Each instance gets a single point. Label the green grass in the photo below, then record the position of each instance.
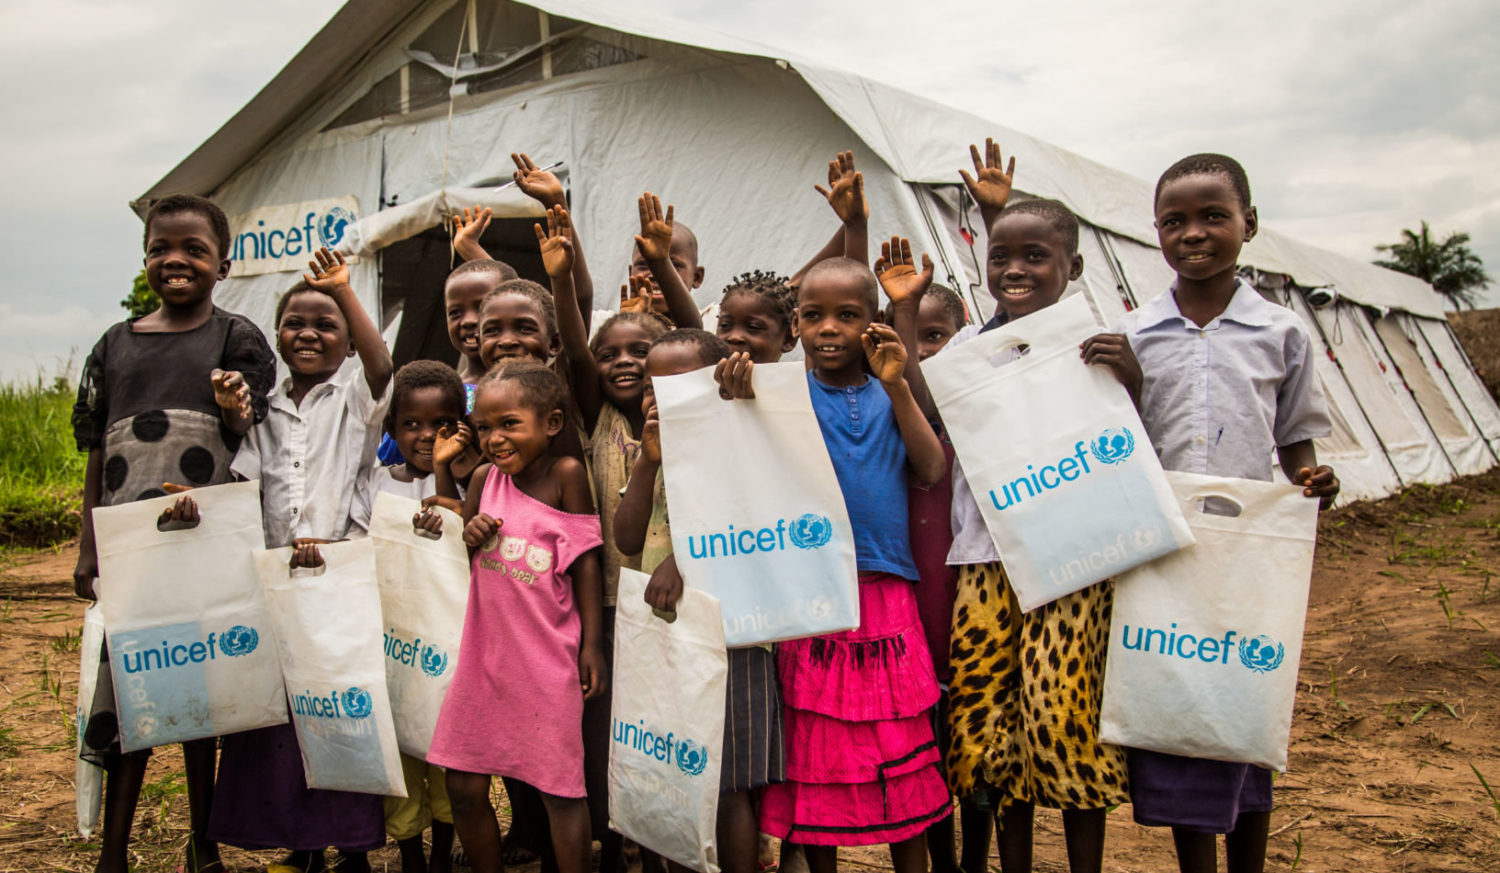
(41, 470)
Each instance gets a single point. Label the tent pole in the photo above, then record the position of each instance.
(937, 241)
(1479, 431)
(1415, 402)
(1352, 393)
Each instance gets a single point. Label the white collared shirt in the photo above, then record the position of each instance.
(309, 459)
(1220, 399)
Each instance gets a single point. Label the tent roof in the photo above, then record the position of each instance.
(915, 136)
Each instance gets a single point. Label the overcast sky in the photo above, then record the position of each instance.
(1354, 118)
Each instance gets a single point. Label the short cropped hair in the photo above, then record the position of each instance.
(541, 389)
(298, 287)
(1209, 164)
(210, 210)
(952, 304)
(646, 321)
(425, 374)
(711, 349)
(528, 289)
(691, 239)
(842, 266)
(502, 271)
(1054, 212)
(772, 290)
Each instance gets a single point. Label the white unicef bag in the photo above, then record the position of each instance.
(88, 778)
(758, 519)
(328, 633)
(667, 724)
(1204, 644)
(1055, 454)
(424, 592)
(190, 641)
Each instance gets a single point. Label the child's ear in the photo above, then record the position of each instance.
(224, 266)
(789, 341)
(697, 277)
(1075, 269)
(1252, 223)
(352, 351)
(554, 422)
(554, 344)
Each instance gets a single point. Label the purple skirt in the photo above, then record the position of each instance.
(261, 800)
(1194, 793)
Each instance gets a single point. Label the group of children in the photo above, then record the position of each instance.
(547, 433)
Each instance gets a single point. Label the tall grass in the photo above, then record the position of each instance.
(41, 471)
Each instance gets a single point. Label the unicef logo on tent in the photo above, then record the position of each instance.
(1261, 653)
(332, 225)
(811, 531)
(238, 640)
(357, 702)
(1113, 445)
(691, 757)
(434, 660)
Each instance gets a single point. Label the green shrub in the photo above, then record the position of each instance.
(41, 470)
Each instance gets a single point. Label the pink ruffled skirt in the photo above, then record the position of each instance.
(861, 759)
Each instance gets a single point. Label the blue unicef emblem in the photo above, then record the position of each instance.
(332, 225)
(691, 757)
(239, 640)
(1261, 654)
(1113, 445)
(434, 660)
(811, 531)
(357, 702)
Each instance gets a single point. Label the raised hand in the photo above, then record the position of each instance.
(655, 239)
(540, 185)
(556, 242)
(635, 296)
(230, 390)
(990, 185)
(480, 530)
(330, 273)
(1319, 483)
(886, 354)
(451, 442)
(468, 227)
(734, 377)
(898, 273)
(846, 190)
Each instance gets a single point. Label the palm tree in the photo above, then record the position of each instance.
(1450, 267)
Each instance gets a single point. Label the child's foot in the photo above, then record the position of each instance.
(298, 862)
(350, 862)
(459, 857)
(514, 851)
(202, 856)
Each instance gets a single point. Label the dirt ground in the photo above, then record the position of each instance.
(1398, 711)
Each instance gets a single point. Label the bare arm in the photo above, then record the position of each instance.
(655, 243)
(545, 188)
(904, 285)
(583, 374)
(832, 249)
(1299, 461)
(588, 583)
(87, 568)
(331, 276)
(990, 185)
(634, 514)
(887, 358)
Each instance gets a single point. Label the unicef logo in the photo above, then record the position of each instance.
(691, 757)
(357, 702)
(333, 224)
(239, 640)
(1113, 445)
(434, 660)
(811, 531)
(1261, 653)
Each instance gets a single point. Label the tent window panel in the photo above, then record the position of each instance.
(1362, 369)
(1445, 423)
(422, 87)
(571, 55)
(1342, 442)
(1477, 397)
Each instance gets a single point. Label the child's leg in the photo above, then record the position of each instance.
(1246, 844)
(975, 821)
(413, 855)
(825, 859)
(442, 847)
(528, 824)
(474, 819)
(1013, 832)
(122, 788)
(571, 838)
(199, 758)
(940, 845)
(738, 832)
(1197, 852)
(1083, 829)
(910, 855)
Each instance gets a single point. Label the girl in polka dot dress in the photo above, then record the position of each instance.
(164, 398)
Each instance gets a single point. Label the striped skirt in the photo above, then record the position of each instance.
(753, 741)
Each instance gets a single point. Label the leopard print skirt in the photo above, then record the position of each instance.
(1024, 700)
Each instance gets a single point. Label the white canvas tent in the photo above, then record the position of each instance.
(375, 118)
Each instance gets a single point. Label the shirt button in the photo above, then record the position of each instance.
(294, 510)
(1200, 438)
(296, 463)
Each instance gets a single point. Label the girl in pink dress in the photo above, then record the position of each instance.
(531, 649)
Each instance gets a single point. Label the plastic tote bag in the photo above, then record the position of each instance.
(1055, 454)
(1204, 643)
(667, 724)
(190, 641)
(88, 778)
(328, 633)
(758, 519)
(424, 592)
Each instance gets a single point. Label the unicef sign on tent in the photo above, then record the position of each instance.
(275, 239)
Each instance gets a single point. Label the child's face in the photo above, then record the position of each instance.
(511, 432)
(684, 263)
(748, 324)
(461, 298)
(1029, 264)
(673, 359)
(514, 326)
(934, 327)
(183, 261)
(621, 360)
(1202, 226)
(313, 337)
(420, 413)
(833, 311)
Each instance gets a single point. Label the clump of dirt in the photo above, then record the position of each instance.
(1479, 332)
